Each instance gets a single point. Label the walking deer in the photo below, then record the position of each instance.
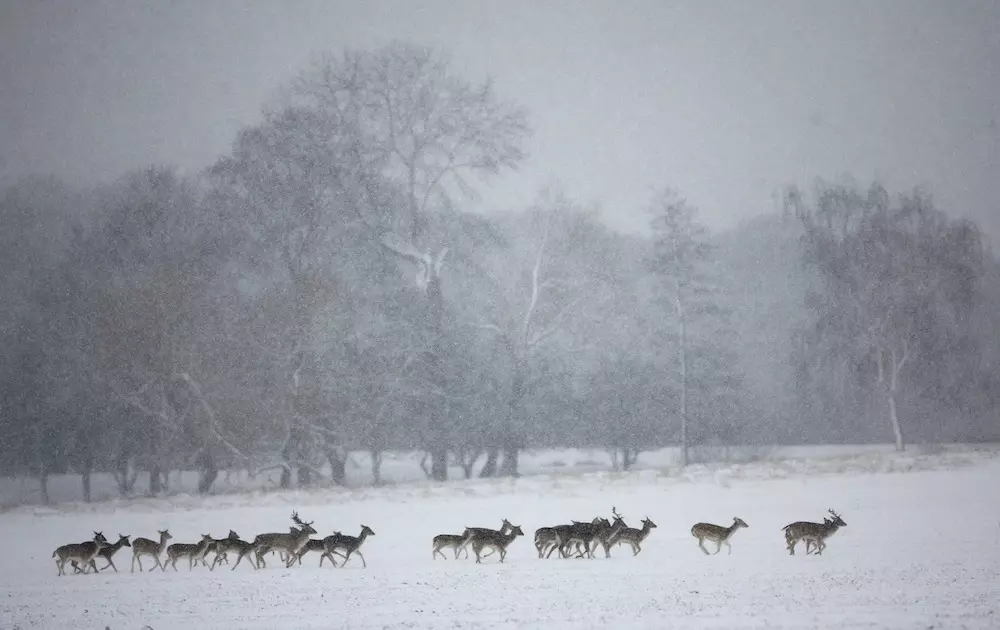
(716, 533)
(634, 537)
(350, 544)
(107, 553)
(815, 533)
(446, 541)
(146, 547)
(81, 553)
(494, 540)
(242, 549)
(193, 552)
(288, 543)
(505, 527)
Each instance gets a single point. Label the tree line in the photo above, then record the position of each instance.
(319, 290)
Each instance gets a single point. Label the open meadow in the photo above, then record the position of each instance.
(921, 549)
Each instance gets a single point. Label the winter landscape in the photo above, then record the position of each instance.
(921, 549)
(636, 280)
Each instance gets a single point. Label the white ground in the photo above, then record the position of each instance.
(921, 550)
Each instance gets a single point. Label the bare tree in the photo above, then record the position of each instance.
(896, 279)
(424, 128)
(681, 249)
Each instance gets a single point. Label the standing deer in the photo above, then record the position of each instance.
(193, 552)
(81, 553)
(815, 533)
(146, 547)
(494, 540)
(716, 533)
(606, 535)
(634, 537)
(349, 544)
(107, 553)
(288, 543)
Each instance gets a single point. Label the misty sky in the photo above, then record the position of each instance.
(725, 101)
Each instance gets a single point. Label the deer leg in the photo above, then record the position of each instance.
(718, 546)
(730, 549)
(701, 543)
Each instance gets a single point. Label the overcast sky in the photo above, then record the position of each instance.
(724, 101)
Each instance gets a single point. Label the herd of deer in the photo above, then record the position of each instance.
(578, 537)
(291, 546)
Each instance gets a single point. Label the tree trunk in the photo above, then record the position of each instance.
(490, 467)
(208, 471)
(511, 451)
(43, 483)
(377, 467)
(435, 405)
(682, 358)
(512, 437)
(285, 482)
(155, 479)
(338, 466)
(305, 476)
(85, 479)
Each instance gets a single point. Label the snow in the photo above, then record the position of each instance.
(921, 550)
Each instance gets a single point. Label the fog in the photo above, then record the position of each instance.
(263, 239)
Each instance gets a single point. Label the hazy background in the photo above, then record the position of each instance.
(726, 101)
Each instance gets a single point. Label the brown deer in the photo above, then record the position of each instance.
(338, 543)
(288, 543)
(107, 553)
(446, 541)
(146, 547)
(81, 553)
(815, 533)
(214, 547)
(716, 533)
(313, 544)
(634, 537)
(494, 540)
(193, 552)
(242, 548)
(504, 528)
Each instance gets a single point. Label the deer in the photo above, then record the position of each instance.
(242, 548)
(97, 536)
(583, 535)
(107, 553)
(288, 543)
(494, 540)
(193, 552)
(716, 533)
(545, 538)
(350, 544)
(146, 547)
(634, 537)
(81, 553)
(220, 556)
(816, 533)
(454, 541)
(313, 544)
(506, 526)
(606, 535)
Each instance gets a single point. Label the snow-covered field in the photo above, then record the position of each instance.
(921, 550)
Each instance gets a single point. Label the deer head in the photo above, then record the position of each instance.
(303, 526)
(836, 519)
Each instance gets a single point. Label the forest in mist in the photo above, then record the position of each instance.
(320, 290)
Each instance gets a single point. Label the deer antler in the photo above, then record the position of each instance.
(834, 514)
(295, 517)
(614, 511)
